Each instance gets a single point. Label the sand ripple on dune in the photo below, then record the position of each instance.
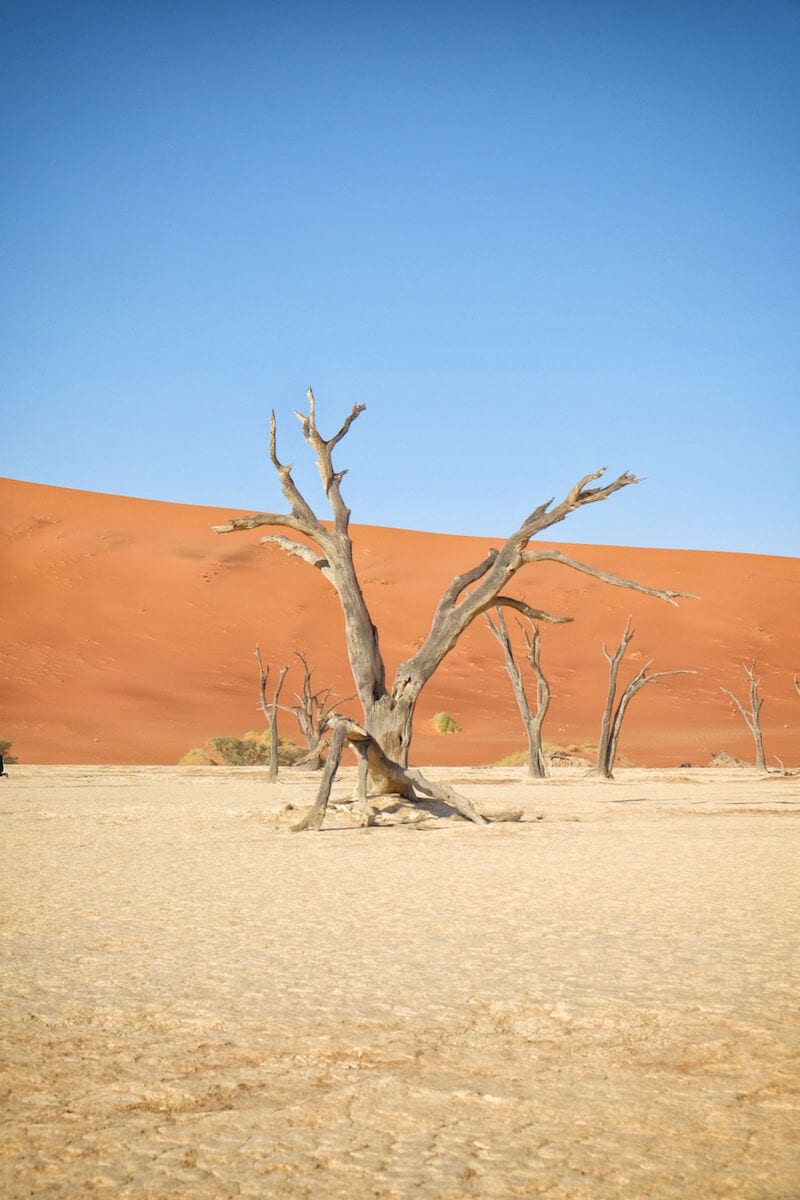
(597, 1003)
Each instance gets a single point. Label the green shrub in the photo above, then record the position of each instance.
(252, 750)
(444, 723)
(4, 749)
(196, 758)
(236, 752)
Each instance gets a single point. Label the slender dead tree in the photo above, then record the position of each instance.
(388, 708)
(797, 685)
(613, 717)
(270, 711)
(314, 713)
(537, 768)
(752, 716)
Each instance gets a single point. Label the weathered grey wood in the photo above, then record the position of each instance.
(613, 717)
(316, 815)
(602, 767)
(389, 710)
(270, 711)
(314, 712)
(752, 716)
(532, 721)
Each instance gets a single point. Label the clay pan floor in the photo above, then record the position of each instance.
(598, 1001)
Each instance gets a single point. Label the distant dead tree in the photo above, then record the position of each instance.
(752, 715)
(537, 768)
(385, 735)
(614, 716)
(314, 713)
(797, 685)
(270, 711)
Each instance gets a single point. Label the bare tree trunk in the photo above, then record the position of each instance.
(613, 718)
(388, 711)
(603, 766)
(537, 768)
(270, 712)
(752, 716)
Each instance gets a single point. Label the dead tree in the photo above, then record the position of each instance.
(537, 768)
(797, 685)
(270, 711)
(327, 547)
(752, 716)
(614, 716)
(314, 713)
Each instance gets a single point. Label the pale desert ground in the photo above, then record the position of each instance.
(598, 1001)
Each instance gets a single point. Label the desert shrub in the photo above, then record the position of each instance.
(236, 752)
(196, 758)
(252, 750)
(444, 723)
(4, 749)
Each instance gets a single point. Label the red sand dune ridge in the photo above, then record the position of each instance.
(128, 631)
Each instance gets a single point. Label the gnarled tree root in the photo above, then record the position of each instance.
(407, 781)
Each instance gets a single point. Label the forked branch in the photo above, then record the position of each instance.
(323, 448)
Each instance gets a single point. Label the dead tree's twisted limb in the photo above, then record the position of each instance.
(407, 780)
(752, 717)
(389, 711)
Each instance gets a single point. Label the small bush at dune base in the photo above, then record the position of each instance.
(196, 758)
(4, 749)
(444, 723)
(252, 750)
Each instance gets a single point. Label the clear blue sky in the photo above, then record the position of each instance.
(532, 237)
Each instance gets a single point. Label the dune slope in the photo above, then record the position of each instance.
(128, 631)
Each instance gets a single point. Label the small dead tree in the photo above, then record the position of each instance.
(797, 685)
(613, 716)
(537, 768)
(388, 708)
(752, 716)
(270, 711)
(314, 713)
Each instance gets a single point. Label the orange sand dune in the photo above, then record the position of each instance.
(128, 631)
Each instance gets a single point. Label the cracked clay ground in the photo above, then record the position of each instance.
(600, 1001)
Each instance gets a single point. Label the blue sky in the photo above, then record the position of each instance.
(533, 238)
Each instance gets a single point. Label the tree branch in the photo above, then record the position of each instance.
(556, 556)
(462, 581)
(298, 550)
(323, 450)
(533, 614)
